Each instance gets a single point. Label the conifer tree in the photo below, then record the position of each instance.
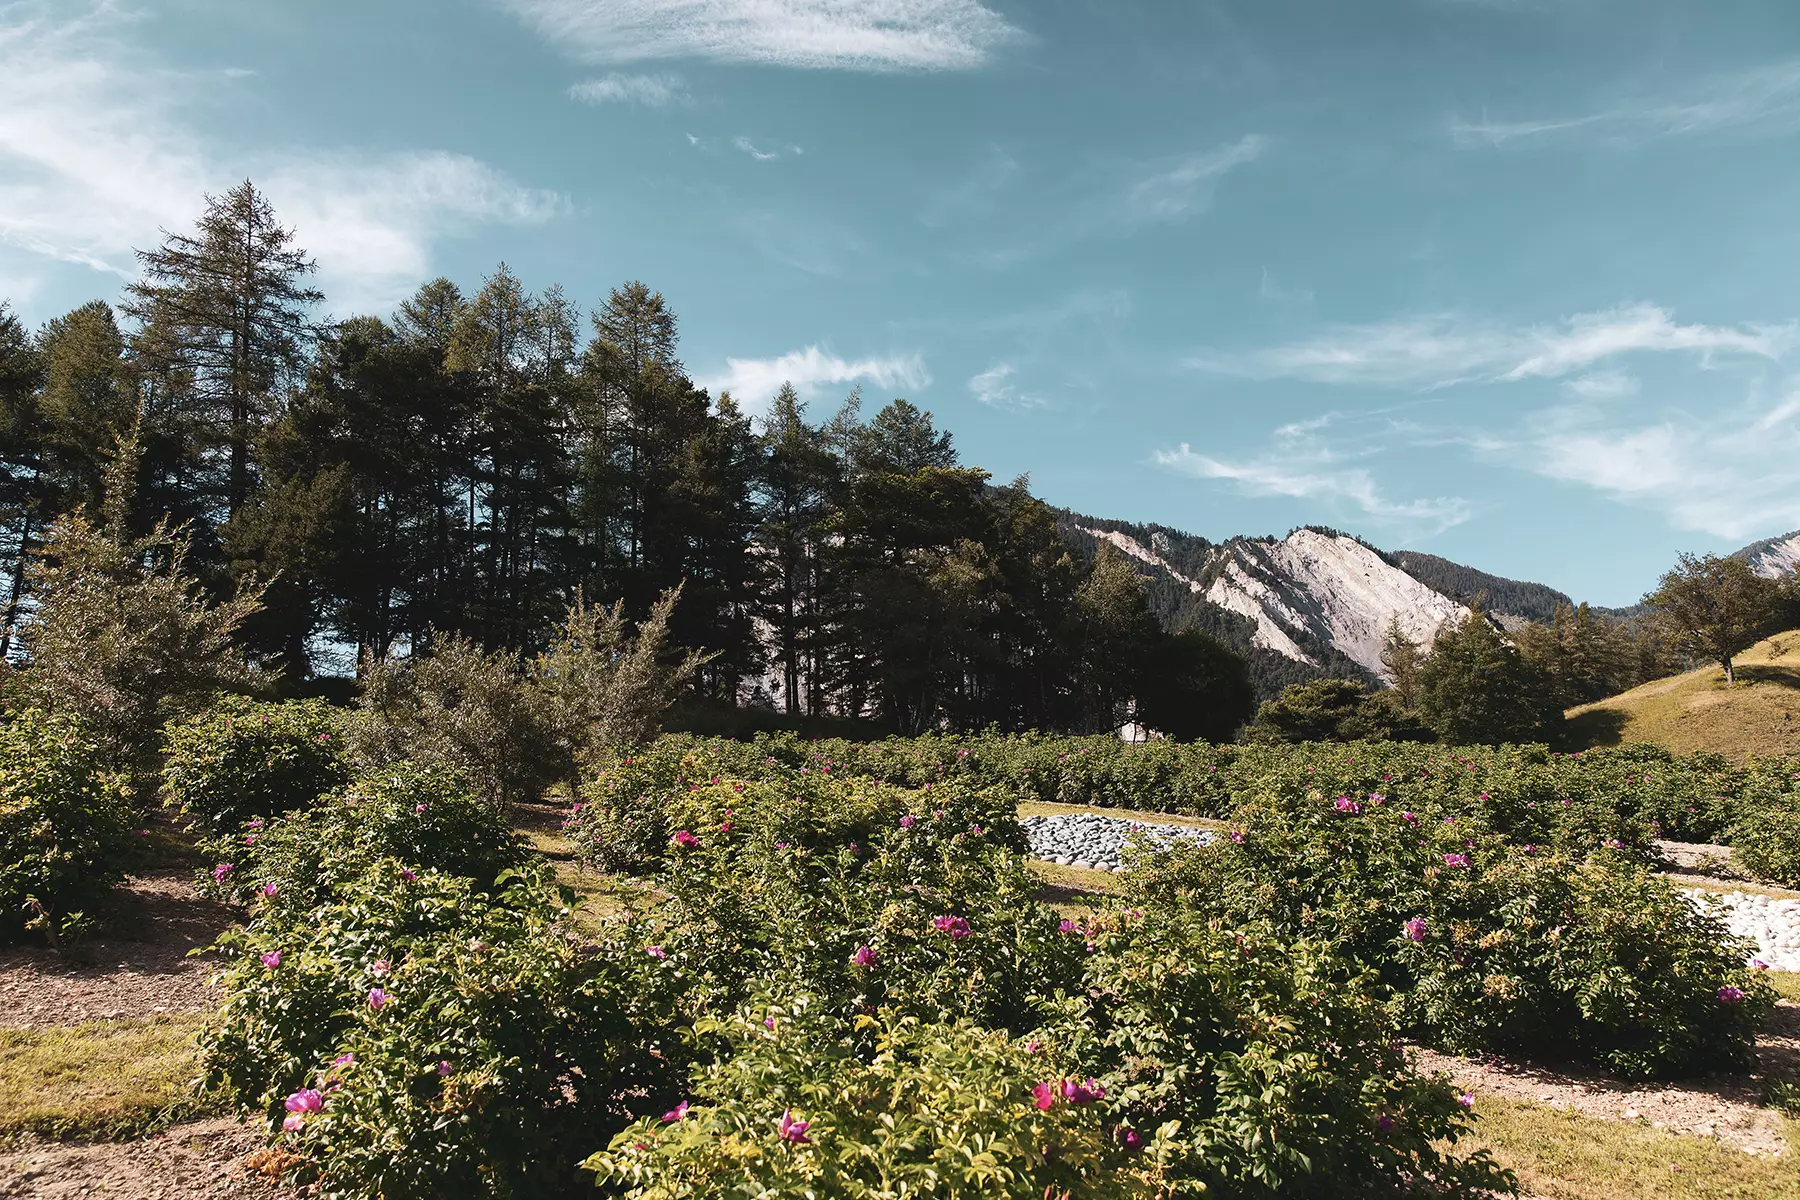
(232, 302)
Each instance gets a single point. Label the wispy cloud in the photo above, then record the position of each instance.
(749, 147)
(867, 35)
(1268, 289)
(1300, 463)
(995, 388)
(754, 381)
(1732, 471)
(1602, 385)
(96, 156)
(1766, 98)
(1435, 351)
(1174, 191)
(648, 91)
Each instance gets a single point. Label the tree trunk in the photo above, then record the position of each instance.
(1730, 675)
(18, 584)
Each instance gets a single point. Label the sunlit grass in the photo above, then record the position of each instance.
(100, 1080)
(1563, 1155)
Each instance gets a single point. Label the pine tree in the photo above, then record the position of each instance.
(233, 302)
(796, 489)
(1477, 688)
(1401, 659)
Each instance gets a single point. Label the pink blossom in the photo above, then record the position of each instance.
(1411, 818)
(769, 1023)
(864, 957)
(685, 840)
(1730, 995)
(269, 890)
(908, 821)
(1044, 1095)
(306, 1100)
(1345, 804)
(678, 1113)
(1068, 926)
(406, 874)
(1415, 929)
(1467, 1099)
(956, 927)
(271, 959)
(1237, 837)
(343, 1060)
(377, 998)
(1759, 964)
(418, 808)
(792, 1130)
(293, 1123)
(1130, 1139)
(1384, 1123)
(1033, 1046)
(381, 967)
(656, 952)
(1456, 860)
(1082, 1093)
(444, 1068)
(222, 870)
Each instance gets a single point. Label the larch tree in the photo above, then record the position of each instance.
(233, 301)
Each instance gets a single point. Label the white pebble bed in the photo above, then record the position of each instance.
(1772, 922)
(1094, 841)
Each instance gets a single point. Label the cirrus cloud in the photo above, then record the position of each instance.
(866, 35)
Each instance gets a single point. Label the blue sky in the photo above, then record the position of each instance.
(1510, 282)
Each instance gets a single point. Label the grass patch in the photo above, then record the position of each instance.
(1563, 1155)
(103, 1080)
(1725, 886)
(1788, 984)
(1696, 711)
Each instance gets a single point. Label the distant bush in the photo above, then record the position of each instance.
(423, 817)
(420, 1037)
(243, 759)
(797, 1105)
(1766, 838)
(1570, 947)
(65, 826)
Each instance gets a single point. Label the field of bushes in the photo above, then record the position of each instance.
(834, 974)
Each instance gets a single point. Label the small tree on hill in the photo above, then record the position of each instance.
(1716, 608)
(1477, 688)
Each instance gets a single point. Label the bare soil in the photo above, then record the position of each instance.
(137, 967)
(200, 1161)
(1726, 1107)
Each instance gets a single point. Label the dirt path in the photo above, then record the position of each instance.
(201, 1161)
(1726, 1107)
(139, 967)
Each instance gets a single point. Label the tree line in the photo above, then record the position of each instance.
(475, 463)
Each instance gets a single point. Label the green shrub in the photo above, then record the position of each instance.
(1569, 949)
(456, 1042)
(895, 1107)
(243, 759)
(1766, 838)
(1274, 1062)
(424, 817)
(928, 882)
(65, 826)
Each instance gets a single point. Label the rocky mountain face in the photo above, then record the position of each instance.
(1317, 602)
(1773, 557)
(1314, 603)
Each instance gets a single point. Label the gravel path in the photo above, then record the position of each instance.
(1095, 841)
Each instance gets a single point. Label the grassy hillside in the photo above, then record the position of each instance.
(1696, 711)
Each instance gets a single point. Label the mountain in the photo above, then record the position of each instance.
(1509, 597)
(1313, 604)
(1774, 556)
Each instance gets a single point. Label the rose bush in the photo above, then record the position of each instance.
(243, 759)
